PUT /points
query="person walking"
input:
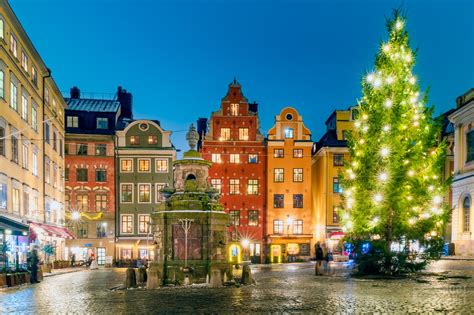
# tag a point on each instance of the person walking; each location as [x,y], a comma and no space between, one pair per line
[319,260]
[73,260]
[34,267]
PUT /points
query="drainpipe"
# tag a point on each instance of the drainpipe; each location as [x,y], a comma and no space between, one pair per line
[117,195]
[43,147]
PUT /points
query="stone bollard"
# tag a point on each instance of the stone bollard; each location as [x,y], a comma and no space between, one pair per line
[247,275]
[153,278]
[141,277]
[216,280]
[130,278]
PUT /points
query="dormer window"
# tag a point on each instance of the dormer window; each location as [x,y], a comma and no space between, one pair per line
[102,123]
[234,109]
[134,140]
[289,133]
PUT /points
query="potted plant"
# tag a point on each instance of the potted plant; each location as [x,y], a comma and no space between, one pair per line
[48,250]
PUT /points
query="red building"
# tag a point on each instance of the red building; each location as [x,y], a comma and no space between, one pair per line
[236,147]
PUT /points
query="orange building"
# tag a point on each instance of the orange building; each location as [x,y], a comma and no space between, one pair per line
[329,155]
[288,221]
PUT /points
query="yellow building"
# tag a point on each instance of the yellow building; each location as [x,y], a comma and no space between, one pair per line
[31,144]
[288,219]
[329,154]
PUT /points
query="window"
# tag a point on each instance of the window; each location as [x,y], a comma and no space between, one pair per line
[3,191]
[252,186]
[126,165]
[234,109]
[298,201]
[24,107]
[298,153]
[144,193]
[66,174]
[338,160]
[126,192]
[134,140]
[278,201]
[82,202]
[144,223]
[81,174]
[72,121]
[234,158]
[253,218]
[101,176]
[13,96]
[216,183]
[470,146]
[2,83]
[61,147]
[235,217]
[466,214]
[16,200]
[216,158]
[2,29]
[101,230]
[67,200]
[2,140]
[143,253]
[101,149]
[102,123]
[278,153]
[289,133]
[253,158]
[152,139]
[297,175]
[243,134]
[35,162]
[47,134]
[55,140]
[34,118]
[277,226]
[336,186]
[14,147]
[234,186]
[335,215]
[100,202]
[225,134]
[298,227]
[161,165]
[24,61]
[127,225]
[46,95]
[34,76]
[25,154]
[278,175]
[13,45]
[159,195]
[144,165]
[55,175]
[26,201]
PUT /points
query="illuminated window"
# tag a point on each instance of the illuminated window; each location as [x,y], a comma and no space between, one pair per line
[297,175]
[335,215]
[277,226]
[278,153]
[134,140]
[144,165]
[278,175]
[234,109]
[216,158]
[235,217]
[466,214]
[298,153]
[126,165]
[225,134]
[253,158]
[234,158]
[298,227]
[126,192]
[82,202]
[253,218]
[152,139]
[144,223]
[336,186]
[243,133]
[252,186]
[144,193]
[289,133]
[234,186]
[161,165]
[278,201]
[127,225]
[100,202]
[216,183]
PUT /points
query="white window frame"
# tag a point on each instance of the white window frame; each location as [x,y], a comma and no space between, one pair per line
[34,116]
[167,165]
[234,158]
[217,184]
[24,60]
[13,45]
[72,121]
[227,136]
[2,83]
[216,158]
[157,193]
[25,155]
[244,136]
[138,165]
[121,223]
[126,159]
[133,193]
[149,223]
[13,96]
[138,193]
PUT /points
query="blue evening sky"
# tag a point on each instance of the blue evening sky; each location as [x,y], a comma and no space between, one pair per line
[177,57]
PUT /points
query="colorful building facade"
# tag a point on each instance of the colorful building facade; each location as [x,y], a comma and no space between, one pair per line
[329,155]
[144,158]
[235,146]
[31,146]
[289,229]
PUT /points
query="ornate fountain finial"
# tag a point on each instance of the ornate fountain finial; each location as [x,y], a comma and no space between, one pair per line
[192,137]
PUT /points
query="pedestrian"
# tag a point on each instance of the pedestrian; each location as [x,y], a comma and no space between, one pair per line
[319,260]
[34,266]
[73,260]
[328,259]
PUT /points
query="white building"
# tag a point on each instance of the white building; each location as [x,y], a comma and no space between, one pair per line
[463,181]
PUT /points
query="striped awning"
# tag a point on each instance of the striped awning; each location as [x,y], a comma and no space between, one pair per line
[49,230]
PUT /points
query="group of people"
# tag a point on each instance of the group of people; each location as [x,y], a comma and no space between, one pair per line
[323,256]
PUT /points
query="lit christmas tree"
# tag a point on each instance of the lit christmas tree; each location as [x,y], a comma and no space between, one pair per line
[393,195]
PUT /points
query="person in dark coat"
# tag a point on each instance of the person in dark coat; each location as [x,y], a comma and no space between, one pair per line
[319,260]
[34,266]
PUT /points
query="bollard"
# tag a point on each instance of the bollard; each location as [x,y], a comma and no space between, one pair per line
[130,278]
[153,278]
[216,280]
[247,275]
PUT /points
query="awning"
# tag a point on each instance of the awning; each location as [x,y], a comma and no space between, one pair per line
[336,235]
[49,230]
[10,226]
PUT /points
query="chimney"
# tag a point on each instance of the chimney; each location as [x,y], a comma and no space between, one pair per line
[126,101]
[253,107]
[75,92]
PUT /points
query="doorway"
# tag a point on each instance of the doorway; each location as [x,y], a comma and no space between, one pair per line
[101,256]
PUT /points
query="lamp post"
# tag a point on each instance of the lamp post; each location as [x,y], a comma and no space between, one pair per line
[289,220]
[186,225]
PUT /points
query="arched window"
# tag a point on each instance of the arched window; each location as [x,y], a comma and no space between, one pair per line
[466,215]
[191,177]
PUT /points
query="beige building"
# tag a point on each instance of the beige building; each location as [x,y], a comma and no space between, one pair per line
[463,181]
[31,144]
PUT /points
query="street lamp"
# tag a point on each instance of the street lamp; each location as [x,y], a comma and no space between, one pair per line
[289,220]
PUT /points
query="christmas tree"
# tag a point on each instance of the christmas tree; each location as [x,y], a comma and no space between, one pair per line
[393,209]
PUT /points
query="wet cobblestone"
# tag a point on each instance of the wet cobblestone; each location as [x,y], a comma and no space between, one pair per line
[279,288]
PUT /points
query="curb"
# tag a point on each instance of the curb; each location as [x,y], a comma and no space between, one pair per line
[61,273]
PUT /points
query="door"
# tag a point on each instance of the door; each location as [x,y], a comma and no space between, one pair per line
[101,256]
[275,253]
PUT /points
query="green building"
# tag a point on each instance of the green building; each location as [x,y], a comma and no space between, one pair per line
[144,157]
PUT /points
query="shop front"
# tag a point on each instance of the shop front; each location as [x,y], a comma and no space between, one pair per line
[134,253]
[50,240]
[289,250]
[335,245]
[14,244]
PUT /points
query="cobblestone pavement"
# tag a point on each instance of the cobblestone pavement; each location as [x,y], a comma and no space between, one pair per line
[279,288]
